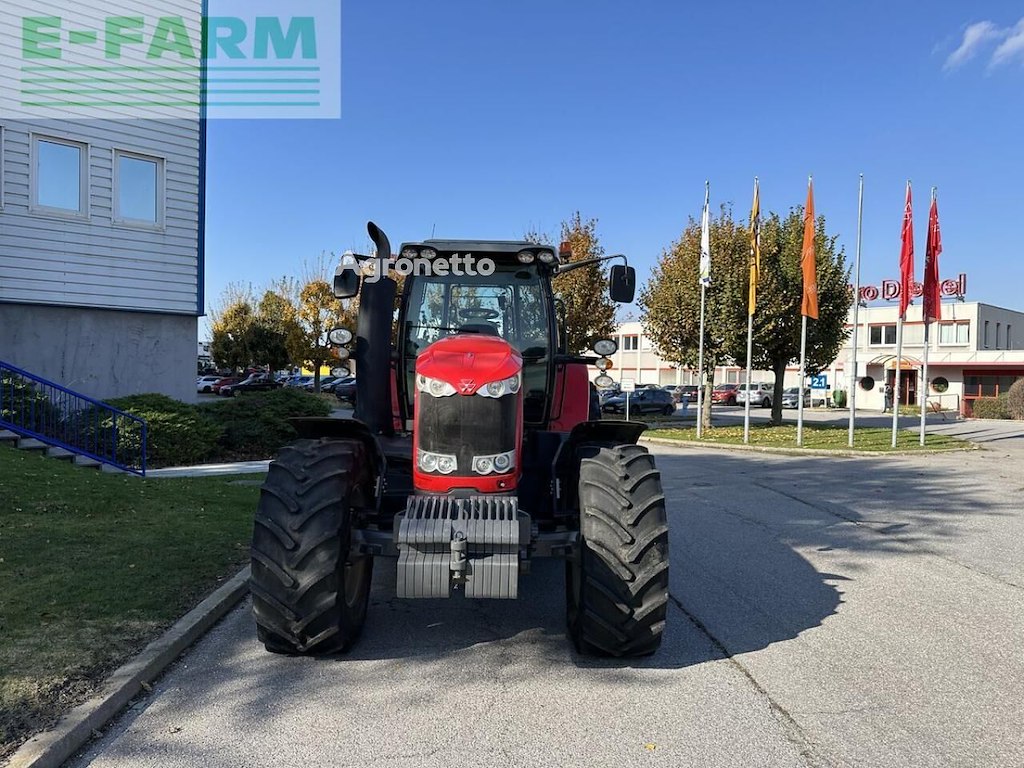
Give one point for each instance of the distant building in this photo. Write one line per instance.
(976, 350)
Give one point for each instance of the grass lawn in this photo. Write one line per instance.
(815, 436)
(95, 565)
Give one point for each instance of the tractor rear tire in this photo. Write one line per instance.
(309, 593)
(617, 584)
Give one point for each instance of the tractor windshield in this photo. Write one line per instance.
(512, 303)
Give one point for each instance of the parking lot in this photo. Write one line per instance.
(825, 612)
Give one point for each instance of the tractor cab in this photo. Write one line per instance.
(471, 452)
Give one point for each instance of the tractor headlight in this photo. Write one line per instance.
(445, 463)
(499, 463)
(501, 387)
(434, 387)
(428, 253)
(410, 253)
(525, 257)
(546, 256)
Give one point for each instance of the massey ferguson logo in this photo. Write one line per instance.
(466, 386)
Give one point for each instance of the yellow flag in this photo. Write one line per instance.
(755, 248)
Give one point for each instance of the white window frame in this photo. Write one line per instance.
(161, 190)
(82, 214)
(883, 342)
(955, 324)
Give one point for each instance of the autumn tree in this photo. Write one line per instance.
(588, 310)
(777, 320)
(670, 300)
(230, 322)
(318, 311)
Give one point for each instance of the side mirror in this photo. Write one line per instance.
(346, 281)
(622, 284)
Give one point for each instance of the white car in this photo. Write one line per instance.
(205, 383)
(760, 394)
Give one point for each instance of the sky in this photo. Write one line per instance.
(489, 118)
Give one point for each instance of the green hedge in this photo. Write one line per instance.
(177, 434)
(990, 408)
(255, 426)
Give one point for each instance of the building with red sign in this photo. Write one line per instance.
(975, 350)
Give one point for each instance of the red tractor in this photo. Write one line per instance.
(473, 449)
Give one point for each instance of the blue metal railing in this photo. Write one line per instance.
(35, 407)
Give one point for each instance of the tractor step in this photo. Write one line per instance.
(470, 542)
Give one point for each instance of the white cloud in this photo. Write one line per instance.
(975, 36)
(1011, 48)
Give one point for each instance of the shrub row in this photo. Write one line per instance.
(990, 408)
(254, 426)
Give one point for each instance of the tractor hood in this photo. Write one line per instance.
(469, 361)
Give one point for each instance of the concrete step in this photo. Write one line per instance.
(112, 470)
(60, 453)
(6, 436)
(85, 461)
(31, 444)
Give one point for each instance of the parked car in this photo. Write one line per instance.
(689, 390)
(790, 398)
(325, 381)
(224, 382)
(345, 389)
(205, 383)
(260, 382)
(724, 394)
(642, 401)
(760, 394)
(298, 381)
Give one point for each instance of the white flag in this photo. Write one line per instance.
(705, 240)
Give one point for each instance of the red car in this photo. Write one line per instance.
(226, 381)
(724, 394)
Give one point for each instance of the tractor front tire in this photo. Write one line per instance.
(617, 582)
(309, 593)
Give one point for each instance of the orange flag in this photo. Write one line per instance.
(807, 260)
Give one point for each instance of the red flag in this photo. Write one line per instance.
(932, 305)
(907, 257)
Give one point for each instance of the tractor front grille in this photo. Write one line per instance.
(466, 426)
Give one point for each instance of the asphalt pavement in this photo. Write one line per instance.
(825, 611)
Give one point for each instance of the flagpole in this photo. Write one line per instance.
(700, 367)
(897, 377)
(800, 390)
(750, 352)
(705, 277)
(927, 321)
(924, 383)
(755, 267)
(856, 307)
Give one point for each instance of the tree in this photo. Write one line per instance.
(589, 312)
(670, 300)
(777, 320)
(230, 322)
(318, 311)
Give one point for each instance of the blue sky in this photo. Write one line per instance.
(483, 119)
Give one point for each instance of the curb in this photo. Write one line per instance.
(51, 748)
(854, 454)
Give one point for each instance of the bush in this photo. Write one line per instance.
(178, 434)
(990, 408)
(25, 404)
(1015, 400)
(255, 426)
(839, 398)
